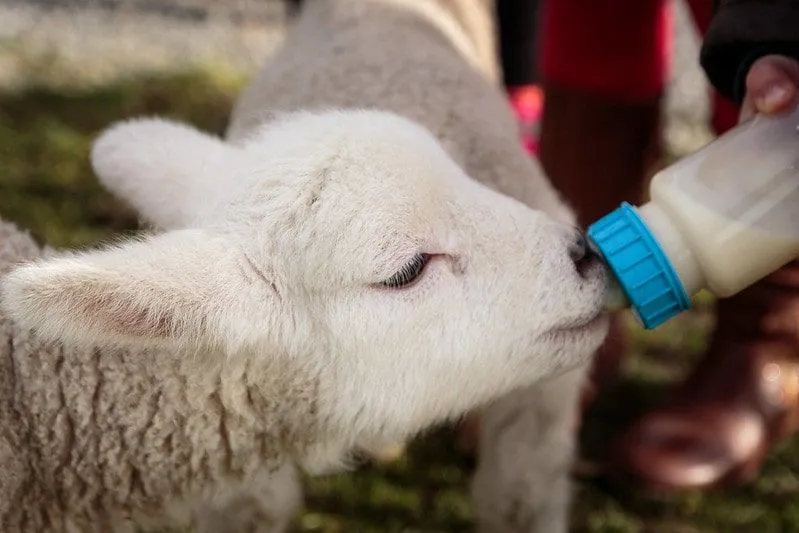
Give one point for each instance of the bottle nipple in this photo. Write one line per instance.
(642, 272)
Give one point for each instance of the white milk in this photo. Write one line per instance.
(725, 216)
(734, 206)
(709, 250)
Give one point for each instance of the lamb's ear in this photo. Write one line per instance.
(183, 288)
(165, 170)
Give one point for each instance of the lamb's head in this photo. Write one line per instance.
(347, 242)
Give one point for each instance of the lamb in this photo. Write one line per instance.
(368, 252)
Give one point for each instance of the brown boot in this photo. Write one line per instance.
(739, 401)
(597, 152)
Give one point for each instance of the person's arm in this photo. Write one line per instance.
(743, 31)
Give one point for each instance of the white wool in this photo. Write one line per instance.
(255, 333)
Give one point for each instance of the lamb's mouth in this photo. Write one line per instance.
(579, 329)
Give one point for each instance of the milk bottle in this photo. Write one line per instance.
(720, 219)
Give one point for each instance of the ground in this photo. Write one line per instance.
(49, 114)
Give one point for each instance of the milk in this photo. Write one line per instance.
(717, 253)
(720, 219)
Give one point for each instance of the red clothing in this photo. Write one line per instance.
(619, 49)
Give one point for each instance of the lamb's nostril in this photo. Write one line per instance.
(579, 248)
(581, 254)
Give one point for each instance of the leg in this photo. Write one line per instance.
(266, 505)
(517, 21)
(526, 443)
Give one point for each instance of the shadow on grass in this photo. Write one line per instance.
(46, 185)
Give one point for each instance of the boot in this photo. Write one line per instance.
(742, 398)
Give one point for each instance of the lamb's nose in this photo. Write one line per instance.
(581, 253)
(578, 249)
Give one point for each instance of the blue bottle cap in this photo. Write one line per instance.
(640, 266)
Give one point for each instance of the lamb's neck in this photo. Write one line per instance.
(133, 429)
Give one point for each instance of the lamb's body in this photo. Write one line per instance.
(83, 430)
(272, 341)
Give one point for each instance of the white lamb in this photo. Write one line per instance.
(332, 276)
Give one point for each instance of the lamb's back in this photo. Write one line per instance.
(389, 56)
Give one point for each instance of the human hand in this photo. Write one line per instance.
(772, 86)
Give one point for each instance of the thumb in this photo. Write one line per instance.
(771, 84)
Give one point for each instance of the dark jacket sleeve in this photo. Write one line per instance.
(740, 32)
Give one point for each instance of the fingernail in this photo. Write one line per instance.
(775, 97)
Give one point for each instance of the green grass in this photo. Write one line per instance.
(46, 185)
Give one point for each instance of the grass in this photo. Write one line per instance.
(46, 185)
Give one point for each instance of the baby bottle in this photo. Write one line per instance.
(720, 219)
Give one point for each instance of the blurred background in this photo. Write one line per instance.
(70, 67)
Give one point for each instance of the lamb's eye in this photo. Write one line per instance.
(408, 274)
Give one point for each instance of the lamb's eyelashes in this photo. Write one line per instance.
(409, 273)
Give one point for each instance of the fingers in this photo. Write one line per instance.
(772, 86)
